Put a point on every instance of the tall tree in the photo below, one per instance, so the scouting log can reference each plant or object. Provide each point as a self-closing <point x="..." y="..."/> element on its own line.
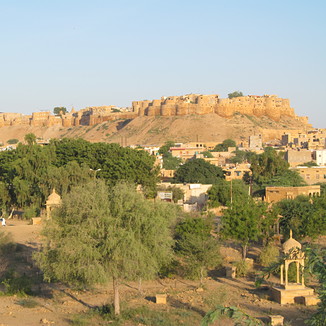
<point x="220" y="193"/>
<point x="241" y="222"/>
<point x="224" y="146"/>
<point x="196" y="245"/>
<point x="99" y="235"/>
<point x="198" y="171"/>
<point x="30" y="139"/>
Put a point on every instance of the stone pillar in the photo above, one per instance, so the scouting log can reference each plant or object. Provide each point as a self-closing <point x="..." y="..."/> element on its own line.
<point x="282" y="276"/>
<point x="298" y="271"/>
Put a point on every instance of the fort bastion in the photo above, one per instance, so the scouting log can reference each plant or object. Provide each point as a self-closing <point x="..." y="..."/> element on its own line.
<point x="191" y="104"/>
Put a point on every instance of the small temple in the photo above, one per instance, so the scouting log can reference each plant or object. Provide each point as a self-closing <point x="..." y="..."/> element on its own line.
<point x="53" y="201"/>
<point x="293" y="292"/>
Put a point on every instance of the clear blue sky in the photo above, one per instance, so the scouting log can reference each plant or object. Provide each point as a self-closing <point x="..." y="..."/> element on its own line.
<point x="83" y="53"/>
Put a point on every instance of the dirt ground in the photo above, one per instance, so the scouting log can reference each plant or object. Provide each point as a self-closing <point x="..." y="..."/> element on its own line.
<point x="56" y="304"/>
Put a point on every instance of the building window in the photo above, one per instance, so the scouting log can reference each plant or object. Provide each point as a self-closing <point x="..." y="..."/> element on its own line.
<point x="308" y="176"/>
<point x="317" y="176"/>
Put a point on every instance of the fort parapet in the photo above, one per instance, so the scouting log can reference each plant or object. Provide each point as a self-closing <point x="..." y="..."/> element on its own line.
<point x="252" y="105"/>
<point x="191" y="104"/>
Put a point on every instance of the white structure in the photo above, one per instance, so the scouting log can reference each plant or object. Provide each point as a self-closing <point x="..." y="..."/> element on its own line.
<point x="320" y="157"/>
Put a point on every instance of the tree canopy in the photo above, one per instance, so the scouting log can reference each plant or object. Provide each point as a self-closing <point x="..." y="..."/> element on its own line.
<point x="245" y="221"/>
<point x="235" y="94"/>
<point x="98" y="235"/>
<point x="198" y="171"/>
<point x="220" y="192"/>
<point x="29" y="172"/>
<point x="304" y="215"/>
<point x="195" y="244"/>
<point x="224" y="146"/>
<point x="59" y="110"/>
<point x="169" y="162"/>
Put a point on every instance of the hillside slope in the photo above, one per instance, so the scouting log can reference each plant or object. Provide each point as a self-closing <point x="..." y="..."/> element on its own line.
<point x="156" y="130"/>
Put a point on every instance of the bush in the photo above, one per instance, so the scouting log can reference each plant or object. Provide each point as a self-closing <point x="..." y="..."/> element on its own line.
<point x="16" y="284"/>
<point x="27" y="303"/>
<point x="243" y="268"/>
<point x="269" y="255"/>
<point x="12" y="141"/>
<point x="30" y="212"/>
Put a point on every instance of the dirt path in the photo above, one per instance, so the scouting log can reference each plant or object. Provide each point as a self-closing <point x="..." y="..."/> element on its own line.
<point x="56" y="304"/>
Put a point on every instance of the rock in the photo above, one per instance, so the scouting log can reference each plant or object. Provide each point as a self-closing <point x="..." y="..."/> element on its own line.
<point x="45" y="321"/>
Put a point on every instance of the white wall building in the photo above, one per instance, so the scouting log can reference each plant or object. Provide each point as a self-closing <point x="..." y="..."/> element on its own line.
<point x="320" y="157"/>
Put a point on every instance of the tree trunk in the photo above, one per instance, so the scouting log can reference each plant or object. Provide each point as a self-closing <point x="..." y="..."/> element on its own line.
<point x="244" y="251"/>
<point x="116" y="296"/>
<point x="140" y="286"/>
<point x="201" y="276"/>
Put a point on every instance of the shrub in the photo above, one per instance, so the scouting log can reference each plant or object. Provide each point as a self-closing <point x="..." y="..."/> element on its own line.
<point x="12" y="141"/>
<point x="27" y="303"/>
<point x="30" y="212"/>
<point x="16" y="284"/>
<point x="242" y="268"/>
<point x="269" y="255"/>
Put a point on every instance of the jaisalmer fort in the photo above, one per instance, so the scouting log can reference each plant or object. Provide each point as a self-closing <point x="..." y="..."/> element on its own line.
<point x="191" y="104"/>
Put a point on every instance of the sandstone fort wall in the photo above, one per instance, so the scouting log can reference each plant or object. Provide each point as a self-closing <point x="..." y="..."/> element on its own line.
<point x="192" y="104"/>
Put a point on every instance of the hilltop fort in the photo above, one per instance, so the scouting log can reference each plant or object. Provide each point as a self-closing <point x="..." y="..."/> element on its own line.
<point x="270" y="106"/>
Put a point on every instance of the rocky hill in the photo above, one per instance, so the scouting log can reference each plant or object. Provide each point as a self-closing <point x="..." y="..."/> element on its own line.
<point x="158" y="129"/>
<point x="181" y="118"/>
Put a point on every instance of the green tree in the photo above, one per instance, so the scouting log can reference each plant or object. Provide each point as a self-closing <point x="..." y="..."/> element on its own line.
<point x="220" y="192"/>
<point x="196" y="245"/>
<point x="242" y="156"/>
<point x="305" y="216"/>
<point x="317" y="266"/>
<point x="12" y="141"/>
<point x="309" y="164"/>
<point x="58" y="110"/>
<point x="223" y="147"/>
<point x="241" y="222"/>
<point x="198" y="171"/>
<point x="166" y="147"/>
<point x="207" y="154"/>
<point x="235" y="94"/>
<point x="177" y="193"/>
<point x="171" y="162"/>
<point x="30" y="139"/>
<point x="98" y="235"/>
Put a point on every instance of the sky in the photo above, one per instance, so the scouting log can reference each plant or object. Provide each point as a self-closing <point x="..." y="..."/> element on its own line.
<point x="91" y="53"/>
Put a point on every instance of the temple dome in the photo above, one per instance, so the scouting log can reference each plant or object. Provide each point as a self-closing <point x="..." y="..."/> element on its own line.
<point x="291" y="244"/>
<point x="54" y="198"/>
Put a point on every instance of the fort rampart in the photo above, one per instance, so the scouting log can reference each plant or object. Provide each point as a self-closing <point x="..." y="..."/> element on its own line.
<point x="192" y="104"/>
<point x="266" y="105"/>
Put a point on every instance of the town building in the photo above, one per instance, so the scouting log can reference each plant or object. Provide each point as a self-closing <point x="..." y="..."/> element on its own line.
<point x="298" y="156"/>
<point x="320" y="157"/>
<point x="275" y="194"/>
<point x="312" y="175"/>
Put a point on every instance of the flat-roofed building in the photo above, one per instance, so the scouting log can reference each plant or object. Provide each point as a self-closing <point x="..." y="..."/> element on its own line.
<point x="296" y="157"/>
<point x="312" y="175"/>
<point x="275" y="194"/>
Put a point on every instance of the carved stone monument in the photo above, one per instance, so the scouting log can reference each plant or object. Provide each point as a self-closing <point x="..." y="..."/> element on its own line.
<point x="53" y="201"/>
<point x="289" y="292"/>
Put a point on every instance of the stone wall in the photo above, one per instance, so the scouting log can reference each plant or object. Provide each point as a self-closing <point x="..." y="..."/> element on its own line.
<point x="191" y="104"/>
<point x="266" y="105"/>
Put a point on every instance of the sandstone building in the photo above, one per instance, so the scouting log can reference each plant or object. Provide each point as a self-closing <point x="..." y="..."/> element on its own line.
<point x="275" y="194"/>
